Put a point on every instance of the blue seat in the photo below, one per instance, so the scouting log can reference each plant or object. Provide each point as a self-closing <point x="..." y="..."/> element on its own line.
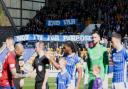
<point x="28" y="53"/>
<point x="3" y="54"/>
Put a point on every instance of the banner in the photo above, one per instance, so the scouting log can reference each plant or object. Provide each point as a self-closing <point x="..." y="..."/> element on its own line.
<point x="59" y="38"/>
<point x="65" y="22"/>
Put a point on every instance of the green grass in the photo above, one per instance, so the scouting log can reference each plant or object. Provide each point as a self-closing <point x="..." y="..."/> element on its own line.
<point x="29" y="83"/>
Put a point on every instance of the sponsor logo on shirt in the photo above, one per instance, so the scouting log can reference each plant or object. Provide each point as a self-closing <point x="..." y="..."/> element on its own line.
<point x="12" y="65"/>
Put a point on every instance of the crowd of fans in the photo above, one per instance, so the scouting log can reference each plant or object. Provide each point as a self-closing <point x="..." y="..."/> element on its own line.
<point x="111" y="14"/>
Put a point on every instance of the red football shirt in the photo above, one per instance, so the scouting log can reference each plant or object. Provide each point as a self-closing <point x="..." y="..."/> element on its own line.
<point x="9" y="63"/>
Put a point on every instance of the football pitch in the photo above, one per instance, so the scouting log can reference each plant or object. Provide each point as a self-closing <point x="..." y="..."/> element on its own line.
<point x="29" y="84"/>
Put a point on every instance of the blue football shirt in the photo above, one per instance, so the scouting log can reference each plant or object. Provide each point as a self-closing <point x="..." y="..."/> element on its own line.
<point x="72" y="61"/>
<point x="63" y="80"/>
<point x="120" y="59"/>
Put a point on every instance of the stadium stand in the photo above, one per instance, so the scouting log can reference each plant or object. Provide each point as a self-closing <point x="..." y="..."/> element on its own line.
<point x="111" y="14"/>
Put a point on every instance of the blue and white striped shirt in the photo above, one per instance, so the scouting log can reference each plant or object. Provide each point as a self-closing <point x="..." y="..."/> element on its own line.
<point x="72" y="61"/>
<point x="63" y="80"/>
<point x="120" y="59"/>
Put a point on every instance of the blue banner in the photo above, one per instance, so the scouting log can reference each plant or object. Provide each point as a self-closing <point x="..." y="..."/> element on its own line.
<point x="59" y="38"/>
<point x="65" y="22"/>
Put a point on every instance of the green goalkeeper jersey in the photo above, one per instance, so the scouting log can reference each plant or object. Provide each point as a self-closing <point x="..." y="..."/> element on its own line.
<point x="97" y="56"/>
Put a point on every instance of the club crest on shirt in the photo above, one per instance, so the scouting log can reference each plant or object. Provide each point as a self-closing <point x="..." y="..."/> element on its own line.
<point x="39" y="68"/>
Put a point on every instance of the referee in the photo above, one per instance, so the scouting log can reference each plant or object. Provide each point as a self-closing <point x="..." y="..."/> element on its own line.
<point x="41" y="65"/>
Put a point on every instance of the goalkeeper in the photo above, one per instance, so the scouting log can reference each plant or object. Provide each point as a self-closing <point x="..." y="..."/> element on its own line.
<point x="97" y="55"/>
